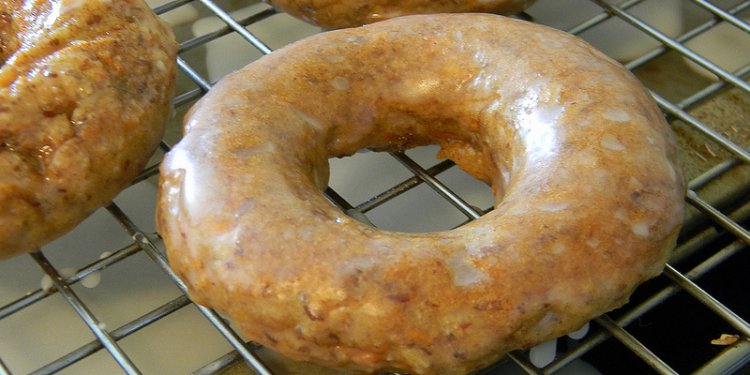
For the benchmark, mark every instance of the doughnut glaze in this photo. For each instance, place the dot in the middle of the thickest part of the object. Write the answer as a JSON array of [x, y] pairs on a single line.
[[335, 14], [85, 90], [589, 193]]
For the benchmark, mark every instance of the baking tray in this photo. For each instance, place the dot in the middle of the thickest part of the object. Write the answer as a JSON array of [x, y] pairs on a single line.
[[102, 299]]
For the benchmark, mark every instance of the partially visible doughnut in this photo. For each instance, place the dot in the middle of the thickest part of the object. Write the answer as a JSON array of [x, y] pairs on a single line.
[[85, 90], [583, 165], [335, 14]]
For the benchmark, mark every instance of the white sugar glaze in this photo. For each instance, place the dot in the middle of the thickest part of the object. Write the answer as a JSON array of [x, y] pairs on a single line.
[[580, 218]]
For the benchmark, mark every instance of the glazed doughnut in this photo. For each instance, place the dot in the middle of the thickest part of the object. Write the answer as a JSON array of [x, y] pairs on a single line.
[[85, 90], [335, 14], [582, 164]]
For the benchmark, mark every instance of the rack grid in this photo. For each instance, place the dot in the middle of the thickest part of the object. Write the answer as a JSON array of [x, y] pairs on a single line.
[[706, 274]]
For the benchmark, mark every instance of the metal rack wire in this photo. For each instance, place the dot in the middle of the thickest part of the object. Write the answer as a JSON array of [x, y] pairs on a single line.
[[715, 234]]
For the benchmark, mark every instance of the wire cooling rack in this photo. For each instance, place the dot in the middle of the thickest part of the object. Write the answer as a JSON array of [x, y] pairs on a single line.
[[696, 65]]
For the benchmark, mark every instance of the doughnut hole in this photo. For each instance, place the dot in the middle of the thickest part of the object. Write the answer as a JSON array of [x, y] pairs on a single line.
[[366, 175]]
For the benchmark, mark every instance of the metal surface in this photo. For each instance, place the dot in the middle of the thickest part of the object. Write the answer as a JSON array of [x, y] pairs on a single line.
[[714, 238]]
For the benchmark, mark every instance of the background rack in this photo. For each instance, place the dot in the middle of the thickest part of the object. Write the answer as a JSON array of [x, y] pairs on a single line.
[[693, 55]]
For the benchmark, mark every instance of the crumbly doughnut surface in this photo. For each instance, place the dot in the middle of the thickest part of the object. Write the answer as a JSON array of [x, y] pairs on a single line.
[[85, 90], [335, 14], [589, 193]]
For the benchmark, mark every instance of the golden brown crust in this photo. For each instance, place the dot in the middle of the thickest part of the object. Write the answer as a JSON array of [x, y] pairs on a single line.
[[85, 90], [336, 14], [589, 193]]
